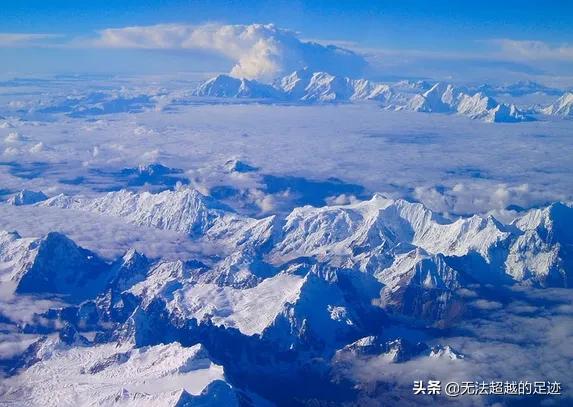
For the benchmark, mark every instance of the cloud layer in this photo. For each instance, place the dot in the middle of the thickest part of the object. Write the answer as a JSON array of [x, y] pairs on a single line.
[[265, 52], [533, 50], [8, 40], [259, 51]]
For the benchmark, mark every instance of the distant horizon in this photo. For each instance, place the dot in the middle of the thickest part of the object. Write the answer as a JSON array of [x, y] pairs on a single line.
[[200, 76]]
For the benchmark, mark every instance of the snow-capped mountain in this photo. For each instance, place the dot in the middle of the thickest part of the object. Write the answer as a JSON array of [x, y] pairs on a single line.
[[444, 98], [307, 86], [27, 197], [545, 246], [369, 236], [53, 264], [226, 86], [183, 210], [318, 282], [519, 88], [420, 284], [487, 109], [562, 106], [239, 166], [321, 87], [440, 98], [302, 85], [161, 375], [395, 351]]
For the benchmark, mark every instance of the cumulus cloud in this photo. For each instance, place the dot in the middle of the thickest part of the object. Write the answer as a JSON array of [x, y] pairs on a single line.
[[37, 148], [11, 151], [342, 199], [495, 198], [13, 137], [259, 51], [486, 304]]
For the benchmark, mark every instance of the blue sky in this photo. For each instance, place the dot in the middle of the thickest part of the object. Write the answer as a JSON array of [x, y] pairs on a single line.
[[516, 38]]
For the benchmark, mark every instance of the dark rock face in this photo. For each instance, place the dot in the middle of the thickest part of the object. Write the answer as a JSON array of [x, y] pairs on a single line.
[[62, 267]]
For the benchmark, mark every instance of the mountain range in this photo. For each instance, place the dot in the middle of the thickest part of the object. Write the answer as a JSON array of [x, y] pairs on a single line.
[[304, 86], [317, 282]]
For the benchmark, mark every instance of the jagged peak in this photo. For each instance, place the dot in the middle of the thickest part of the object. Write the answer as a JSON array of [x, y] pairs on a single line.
[[57, 265], [132, 255], [438, 89], [557, 214], [236, 165], [184, 209], [129, 270], [9, 236], [563, 106], [445, 352], [59, 239], [27, 197]]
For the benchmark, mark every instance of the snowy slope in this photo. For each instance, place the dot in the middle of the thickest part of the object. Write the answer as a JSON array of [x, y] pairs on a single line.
[[444, 98], [484, 108], [162, 375], [184, 210], [302, 85], [366, 235], [562, 106], [420, 284], [311, 283], [52, 264], [322, 87], [369, 235], [381, 221], [226, 86], [27, 197], [249, 310], [304, 305], [546, 246], [441, 98]]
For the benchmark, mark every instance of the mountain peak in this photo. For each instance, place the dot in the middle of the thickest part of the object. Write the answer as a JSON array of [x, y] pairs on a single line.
[[562, 106], [27, 197], [60, 266]]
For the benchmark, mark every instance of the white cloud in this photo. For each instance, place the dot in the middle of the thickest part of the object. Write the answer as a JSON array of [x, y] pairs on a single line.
[[11, 151], [259, 51], [499, 344], [533, 50], [24, 39], [486, 305], [475, 197], [37, 148], [342, 199], [13, 137]]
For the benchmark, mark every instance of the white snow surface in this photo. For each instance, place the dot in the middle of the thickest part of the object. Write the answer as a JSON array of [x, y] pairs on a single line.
[[322, 87], [109, 374], [561, 107], [249, 310], [381, 228]]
